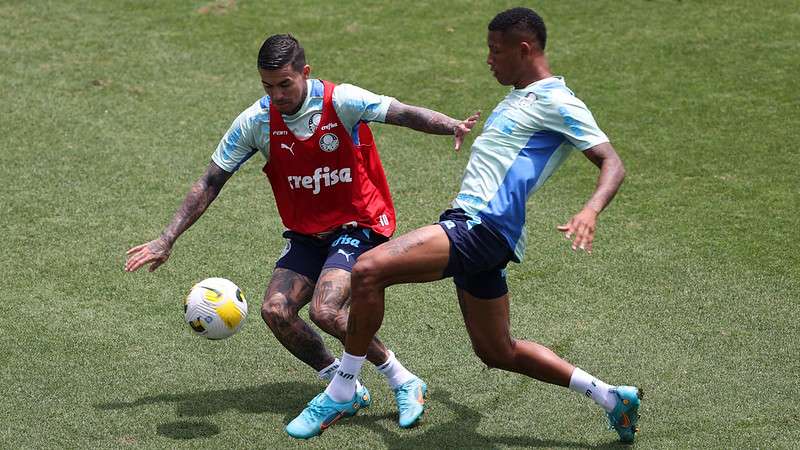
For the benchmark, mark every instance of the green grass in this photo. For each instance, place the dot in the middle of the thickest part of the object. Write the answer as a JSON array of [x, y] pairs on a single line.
[[110, 110]]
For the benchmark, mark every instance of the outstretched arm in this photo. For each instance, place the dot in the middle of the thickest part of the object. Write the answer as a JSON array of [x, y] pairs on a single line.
[[429, 121], [202, 193], [612, 172]]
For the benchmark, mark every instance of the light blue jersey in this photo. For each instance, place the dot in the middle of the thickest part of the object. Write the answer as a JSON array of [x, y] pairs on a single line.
[[527, 137], [250, 132]]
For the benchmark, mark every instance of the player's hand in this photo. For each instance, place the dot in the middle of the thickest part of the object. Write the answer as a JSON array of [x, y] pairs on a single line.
[[464, 127], [156, 252], [581, 226]]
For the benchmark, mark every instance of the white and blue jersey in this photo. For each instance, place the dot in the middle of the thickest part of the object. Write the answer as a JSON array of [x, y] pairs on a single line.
[[527, 136], [250, 132]]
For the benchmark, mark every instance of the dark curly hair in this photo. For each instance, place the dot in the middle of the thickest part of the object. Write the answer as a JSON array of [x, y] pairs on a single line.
[[279, 50], [523, 20]]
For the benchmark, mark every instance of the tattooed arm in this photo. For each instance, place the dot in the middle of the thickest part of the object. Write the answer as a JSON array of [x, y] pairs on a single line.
[[429, 121], [202, 193]]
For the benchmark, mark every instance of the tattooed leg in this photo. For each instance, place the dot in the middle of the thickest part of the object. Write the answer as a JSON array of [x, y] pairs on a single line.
[[330, 307], [287, 293]]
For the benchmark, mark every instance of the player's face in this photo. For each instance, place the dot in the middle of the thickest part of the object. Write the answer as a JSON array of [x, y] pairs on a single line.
[[286, 87], [505, 58]]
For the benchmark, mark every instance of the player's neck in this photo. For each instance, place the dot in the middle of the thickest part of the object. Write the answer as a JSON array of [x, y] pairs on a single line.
[[539, 69]]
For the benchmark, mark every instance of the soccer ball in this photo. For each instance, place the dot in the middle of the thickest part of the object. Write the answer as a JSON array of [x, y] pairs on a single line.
[[215, 308]]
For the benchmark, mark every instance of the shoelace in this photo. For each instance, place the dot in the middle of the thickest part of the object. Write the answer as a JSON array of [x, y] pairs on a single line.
[[404, 394], [314, 408]]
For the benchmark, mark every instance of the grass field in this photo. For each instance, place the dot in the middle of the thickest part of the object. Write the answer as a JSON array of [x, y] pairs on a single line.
[[111, 109]]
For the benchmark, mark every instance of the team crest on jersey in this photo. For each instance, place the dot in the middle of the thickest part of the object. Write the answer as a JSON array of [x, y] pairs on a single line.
[[328, 142], [528, 100], [313, 122]]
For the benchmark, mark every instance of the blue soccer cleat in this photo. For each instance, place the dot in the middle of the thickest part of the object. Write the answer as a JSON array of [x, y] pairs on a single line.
[[322, 412], [625, 415], [410, 397]]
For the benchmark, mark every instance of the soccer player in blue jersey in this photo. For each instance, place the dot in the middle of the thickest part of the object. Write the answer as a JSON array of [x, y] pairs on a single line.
[[301, 127], [527, 136]]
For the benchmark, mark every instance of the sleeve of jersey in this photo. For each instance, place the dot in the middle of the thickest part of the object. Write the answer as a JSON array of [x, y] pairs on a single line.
[[354, 104], [239, 142], [569, 116]]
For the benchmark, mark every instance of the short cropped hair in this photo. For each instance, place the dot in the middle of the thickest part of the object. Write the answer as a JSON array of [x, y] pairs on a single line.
[[521, 19], [279, 50]]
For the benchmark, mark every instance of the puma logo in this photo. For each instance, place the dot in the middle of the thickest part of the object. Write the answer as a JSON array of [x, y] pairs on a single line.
[[289, 147], [346, 255], [346, 376]]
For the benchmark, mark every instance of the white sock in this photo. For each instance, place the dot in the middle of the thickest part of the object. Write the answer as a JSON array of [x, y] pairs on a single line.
[[328, 372], [583, 383], [343, 385], [394, 372]]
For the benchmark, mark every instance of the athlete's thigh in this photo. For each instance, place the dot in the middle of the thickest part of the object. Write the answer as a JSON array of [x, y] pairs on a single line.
[[332, 291], [290, 287], [487, 320], [420, 255]]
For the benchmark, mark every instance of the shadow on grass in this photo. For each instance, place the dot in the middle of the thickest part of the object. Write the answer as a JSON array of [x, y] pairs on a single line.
[[284, 398], [281, 398], [461, 432], [290, 398]]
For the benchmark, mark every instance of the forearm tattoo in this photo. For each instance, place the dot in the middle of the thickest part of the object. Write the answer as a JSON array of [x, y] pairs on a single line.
[[201, 194], [420, 119]]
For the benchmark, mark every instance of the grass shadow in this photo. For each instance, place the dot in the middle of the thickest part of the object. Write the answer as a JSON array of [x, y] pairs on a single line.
[[281, 398], [461, 432], [188, 429], [289, 398]]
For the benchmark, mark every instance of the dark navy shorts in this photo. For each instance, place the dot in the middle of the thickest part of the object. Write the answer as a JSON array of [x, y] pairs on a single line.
[[308, 255], [478, 256]]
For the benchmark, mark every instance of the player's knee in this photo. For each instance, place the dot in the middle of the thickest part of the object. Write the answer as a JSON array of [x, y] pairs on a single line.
[[366, 272], [324, 318], [276, 311], [341, 321], [495, 356], [491, 360]]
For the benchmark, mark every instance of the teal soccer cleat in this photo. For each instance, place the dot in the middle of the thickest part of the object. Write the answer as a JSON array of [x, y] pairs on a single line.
[[625, 415], [410, 397], [322, 412]]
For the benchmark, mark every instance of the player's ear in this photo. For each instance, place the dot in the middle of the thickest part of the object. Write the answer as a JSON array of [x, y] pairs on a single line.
[[306, 71], [526, 48]]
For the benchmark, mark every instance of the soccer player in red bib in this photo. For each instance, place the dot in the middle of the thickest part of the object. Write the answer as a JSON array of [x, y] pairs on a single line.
[[332, 197]]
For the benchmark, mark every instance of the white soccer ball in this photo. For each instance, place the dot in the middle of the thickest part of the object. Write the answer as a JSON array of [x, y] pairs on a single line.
[[215, 308]]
